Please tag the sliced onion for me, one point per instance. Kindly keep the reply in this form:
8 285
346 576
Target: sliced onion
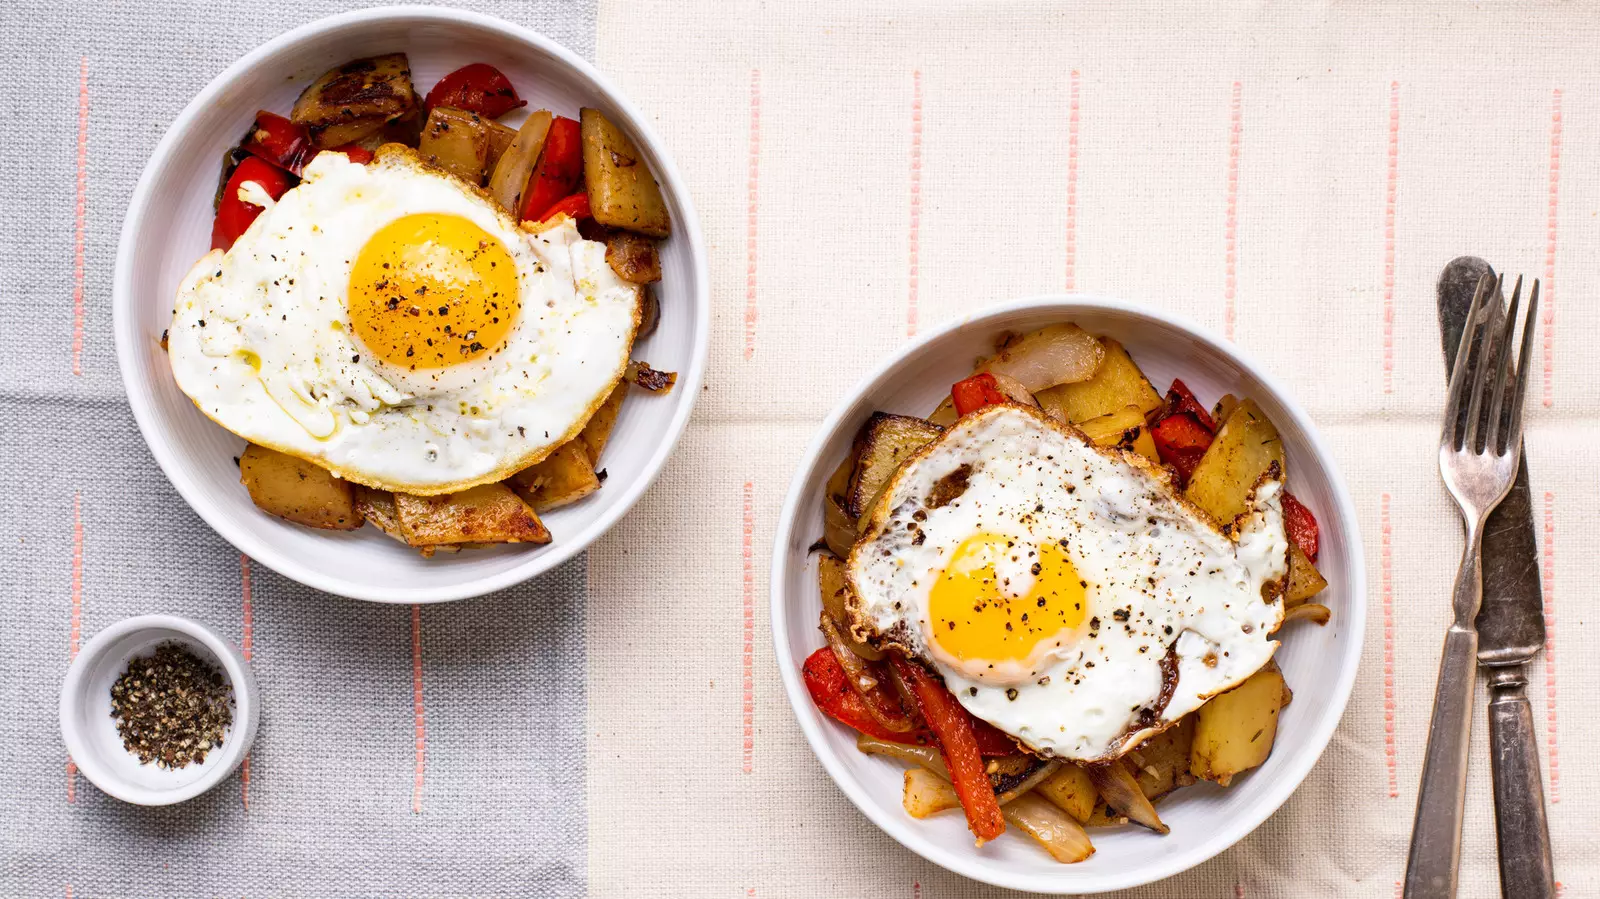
1055 830
926 793
838 528
1310 611
1054 354
926 756
511 172
1013 389
833 605
866 681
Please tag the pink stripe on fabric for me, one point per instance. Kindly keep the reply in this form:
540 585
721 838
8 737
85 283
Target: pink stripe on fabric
914 232
1547 305
1072 187
247 649
75 621
1235 132
1388 236
69 891
754 193
1548 576
419 724
748 657
80 215
1386 562
916 889
1238 891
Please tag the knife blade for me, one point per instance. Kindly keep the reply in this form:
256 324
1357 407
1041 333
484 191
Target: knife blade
1511 620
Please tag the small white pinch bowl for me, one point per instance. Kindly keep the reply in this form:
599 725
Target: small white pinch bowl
168 227
91 733
1318 662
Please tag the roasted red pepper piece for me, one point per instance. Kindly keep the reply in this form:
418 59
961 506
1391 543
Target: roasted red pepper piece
1181 441
235 215
976 392
358 154
1302 525
953 728
1181 399
830 690
479 88
279 141
559 170
575 206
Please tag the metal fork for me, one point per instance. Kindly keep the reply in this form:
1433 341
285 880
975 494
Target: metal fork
1480 448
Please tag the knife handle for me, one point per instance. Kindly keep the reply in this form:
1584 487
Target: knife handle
1521 831
1431 869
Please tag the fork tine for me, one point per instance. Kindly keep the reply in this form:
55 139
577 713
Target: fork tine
1524 365
1504 364
1460 376
1489 360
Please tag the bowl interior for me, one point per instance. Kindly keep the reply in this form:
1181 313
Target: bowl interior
169 228
1319 663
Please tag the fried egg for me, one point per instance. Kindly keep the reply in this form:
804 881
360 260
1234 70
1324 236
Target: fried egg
1066 592
395 326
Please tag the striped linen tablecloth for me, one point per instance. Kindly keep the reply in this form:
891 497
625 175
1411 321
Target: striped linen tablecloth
1293 177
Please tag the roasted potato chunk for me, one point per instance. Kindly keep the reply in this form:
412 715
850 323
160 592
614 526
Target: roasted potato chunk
1123 428
597 432
458 142
1161 763
1304 579
1234 731
883 443
297 490
489 513
633 258
377 507
1116 384
1122 794
622 192
352 101
563 478
1071 789
1245 446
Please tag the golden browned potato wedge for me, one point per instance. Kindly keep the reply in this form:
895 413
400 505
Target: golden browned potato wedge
458 142
1121 792
622 192
883 443
500 138
1161 763
633 258
1117 383
945 414
489 513
297 490
1234 731
1125 428
597 432
564 477
1244 447
377 507
1071 789
352 101
835 595
1224 408
1304 579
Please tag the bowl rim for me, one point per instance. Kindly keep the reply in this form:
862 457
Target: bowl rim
539 560
1159 866
247 710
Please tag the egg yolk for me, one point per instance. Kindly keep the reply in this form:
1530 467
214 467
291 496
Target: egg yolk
432 290
977 616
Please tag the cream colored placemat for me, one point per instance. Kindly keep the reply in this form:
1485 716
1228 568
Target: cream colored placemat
1295 178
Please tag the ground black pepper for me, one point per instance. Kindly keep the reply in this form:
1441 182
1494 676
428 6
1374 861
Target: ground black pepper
171 708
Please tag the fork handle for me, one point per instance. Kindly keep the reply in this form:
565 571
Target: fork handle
1431 870
1521 831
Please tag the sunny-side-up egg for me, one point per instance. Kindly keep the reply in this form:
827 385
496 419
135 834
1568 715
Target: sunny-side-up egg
1066 592
395 326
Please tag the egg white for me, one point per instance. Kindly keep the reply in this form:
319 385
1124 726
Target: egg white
261 339
1139 546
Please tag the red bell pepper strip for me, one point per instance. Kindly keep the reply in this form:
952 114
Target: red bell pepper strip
830 690
1181 441
559 170
1181 399
575 206
479 88
279 141
235 215
358 154
953 729
1302 526
976 392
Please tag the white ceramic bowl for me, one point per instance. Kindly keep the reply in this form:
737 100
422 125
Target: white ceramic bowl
1319 663
168 227
91 734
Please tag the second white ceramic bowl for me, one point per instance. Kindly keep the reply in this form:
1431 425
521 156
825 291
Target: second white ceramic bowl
1318 662
168 227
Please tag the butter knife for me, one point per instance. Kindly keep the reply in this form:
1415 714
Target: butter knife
1510 633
